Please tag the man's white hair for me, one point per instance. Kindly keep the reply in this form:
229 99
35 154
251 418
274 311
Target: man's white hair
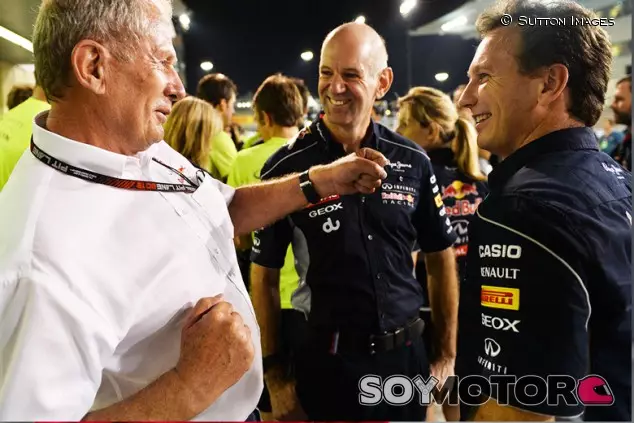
61 24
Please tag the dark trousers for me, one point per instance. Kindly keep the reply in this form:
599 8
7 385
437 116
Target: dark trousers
293 330
328 385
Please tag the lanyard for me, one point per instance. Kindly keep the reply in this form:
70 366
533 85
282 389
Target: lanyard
130 184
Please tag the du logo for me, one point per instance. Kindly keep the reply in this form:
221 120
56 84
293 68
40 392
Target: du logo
329 226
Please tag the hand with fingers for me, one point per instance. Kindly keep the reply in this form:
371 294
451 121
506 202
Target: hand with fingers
360 172
216 349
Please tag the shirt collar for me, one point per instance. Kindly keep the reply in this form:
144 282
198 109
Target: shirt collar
562 140
85 156
371 139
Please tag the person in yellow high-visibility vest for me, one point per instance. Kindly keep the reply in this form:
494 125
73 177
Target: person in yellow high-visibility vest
278 108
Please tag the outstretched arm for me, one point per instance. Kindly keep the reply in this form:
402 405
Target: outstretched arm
256 206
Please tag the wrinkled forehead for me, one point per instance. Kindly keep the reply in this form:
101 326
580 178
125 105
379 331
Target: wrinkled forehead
346 53
161 36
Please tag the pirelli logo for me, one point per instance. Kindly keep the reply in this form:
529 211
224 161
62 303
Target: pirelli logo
498 297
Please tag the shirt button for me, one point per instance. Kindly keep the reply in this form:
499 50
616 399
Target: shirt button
370 237
378 276
363 199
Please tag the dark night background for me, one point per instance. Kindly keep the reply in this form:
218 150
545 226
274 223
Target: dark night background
249 40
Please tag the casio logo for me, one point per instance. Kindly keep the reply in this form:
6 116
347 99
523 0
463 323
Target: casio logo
500 251
325 210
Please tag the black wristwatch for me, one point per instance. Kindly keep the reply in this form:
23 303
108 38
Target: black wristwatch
308 188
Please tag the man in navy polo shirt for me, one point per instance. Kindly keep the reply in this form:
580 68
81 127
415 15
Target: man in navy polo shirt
365 299
548 287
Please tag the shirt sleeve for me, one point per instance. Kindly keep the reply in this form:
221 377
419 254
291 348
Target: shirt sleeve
433 226
51 349
525 307
226 190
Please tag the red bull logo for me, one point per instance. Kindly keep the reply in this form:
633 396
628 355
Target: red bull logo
459 190
394 196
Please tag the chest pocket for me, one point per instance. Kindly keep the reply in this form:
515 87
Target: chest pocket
207 216
214 216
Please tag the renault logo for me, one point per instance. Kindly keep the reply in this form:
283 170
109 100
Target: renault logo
491 348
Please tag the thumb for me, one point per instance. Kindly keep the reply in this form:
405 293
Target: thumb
202 306
370 168
373 155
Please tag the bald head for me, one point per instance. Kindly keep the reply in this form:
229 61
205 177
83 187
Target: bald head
361 41
353 74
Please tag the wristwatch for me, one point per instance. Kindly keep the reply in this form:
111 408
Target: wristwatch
308 188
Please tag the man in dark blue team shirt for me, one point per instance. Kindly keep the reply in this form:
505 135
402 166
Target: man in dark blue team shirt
548 286
365 299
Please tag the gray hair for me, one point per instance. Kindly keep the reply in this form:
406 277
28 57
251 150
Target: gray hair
61 24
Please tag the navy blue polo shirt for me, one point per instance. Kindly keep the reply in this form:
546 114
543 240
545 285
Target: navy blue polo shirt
548 285
461 195
360 271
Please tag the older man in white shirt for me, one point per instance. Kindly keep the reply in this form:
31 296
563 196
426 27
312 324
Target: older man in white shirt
120 295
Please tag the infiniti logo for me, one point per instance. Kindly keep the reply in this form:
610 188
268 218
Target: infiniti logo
461 227
491 348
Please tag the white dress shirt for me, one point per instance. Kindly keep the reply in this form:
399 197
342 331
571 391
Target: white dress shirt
95 280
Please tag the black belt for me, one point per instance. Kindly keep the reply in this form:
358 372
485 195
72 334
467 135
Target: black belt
350 342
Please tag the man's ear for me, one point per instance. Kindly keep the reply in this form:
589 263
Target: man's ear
554 81
89 61
262 118
386 77
222 106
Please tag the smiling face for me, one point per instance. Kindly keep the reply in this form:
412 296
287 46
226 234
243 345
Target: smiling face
352 75
346 84
503 101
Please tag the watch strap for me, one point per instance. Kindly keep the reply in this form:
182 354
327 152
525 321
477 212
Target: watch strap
308 188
